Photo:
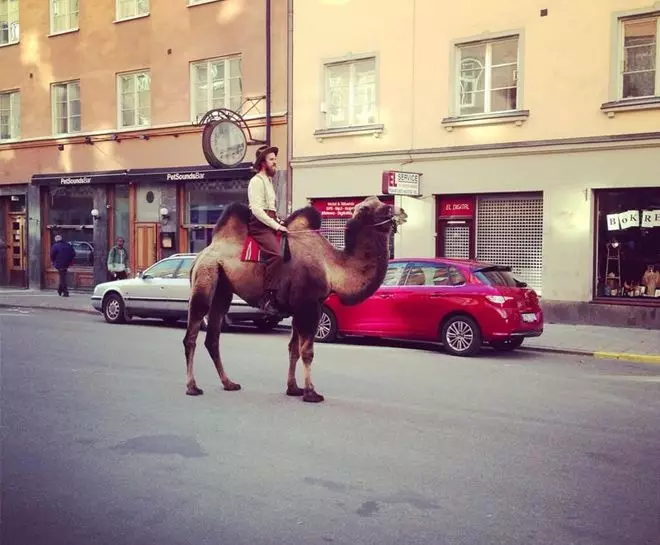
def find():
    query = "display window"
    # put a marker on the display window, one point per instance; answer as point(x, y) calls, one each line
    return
point(628, 244)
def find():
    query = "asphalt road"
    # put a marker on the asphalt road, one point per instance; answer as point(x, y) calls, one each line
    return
point(101, 446)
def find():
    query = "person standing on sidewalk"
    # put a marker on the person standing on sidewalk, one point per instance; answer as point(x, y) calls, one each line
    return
point(118, 261)
point(62, 255)
point(264, 223)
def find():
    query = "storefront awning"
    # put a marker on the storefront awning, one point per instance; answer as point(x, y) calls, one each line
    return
point(80, 178)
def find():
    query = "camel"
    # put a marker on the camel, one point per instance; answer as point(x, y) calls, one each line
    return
point(314, 269)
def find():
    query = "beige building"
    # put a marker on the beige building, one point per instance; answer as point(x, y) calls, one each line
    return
point(102, 108)
point(517, 135)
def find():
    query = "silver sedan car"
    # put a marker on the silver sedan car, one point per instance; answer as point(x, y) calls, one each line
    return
point(162, 291)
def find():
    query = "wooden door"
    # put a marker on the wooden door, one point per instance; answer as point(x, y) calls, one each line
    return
point(146, 246)
point(16, 249)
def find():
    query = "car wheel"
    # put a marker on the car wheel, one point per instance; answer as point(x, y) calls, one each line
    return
point(266, 324)
point(114, 309)
point(506, 345)
point(461, 336)
point(326, 332)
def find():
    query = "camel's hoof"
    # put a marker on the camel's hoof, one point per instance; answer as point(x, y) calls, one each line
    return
point(311, 396)
point(194, 391)
point(294, 390)
point(232, 386)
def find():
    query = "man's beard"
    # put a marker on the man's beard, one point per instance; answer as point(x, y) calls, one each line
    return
point(271, 171)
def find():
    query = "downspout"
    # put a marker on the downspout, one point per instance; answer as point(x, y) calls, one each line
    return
point(268, 62)
point(289, 106)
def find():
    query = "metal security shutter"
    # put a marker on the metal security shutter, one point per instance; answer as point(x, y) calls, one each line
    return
point(510, 232)
point(333, 230)
point(457, 242)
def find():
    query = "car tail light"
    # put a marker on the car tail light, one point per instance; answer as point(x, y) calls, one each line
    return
point(499, 299)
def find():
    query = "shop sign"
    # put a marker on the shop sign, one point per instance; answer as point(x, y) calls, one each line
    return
point(461, 207)
point(402, 183)
point(224, 143)
point(81, 180)
point(176, 176)
point(633, 218)
point(341, 207)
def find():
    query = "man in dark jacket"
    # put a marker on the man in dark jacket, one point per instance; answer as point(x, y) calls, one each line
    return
point(61, 256)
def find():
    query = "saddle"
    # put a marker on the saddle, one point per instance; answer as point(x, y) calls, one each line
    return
point(252, 251)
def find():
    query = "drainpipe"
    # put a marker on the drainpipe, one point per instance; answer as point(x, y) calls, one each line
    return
point(289, 106)
point(268, 62)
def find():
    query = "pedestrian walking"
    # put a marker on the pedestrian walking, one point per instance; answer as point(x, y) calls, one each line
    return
point(62, 255)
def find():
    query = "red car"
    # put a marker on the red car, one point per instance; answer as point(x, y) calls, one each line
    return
point(461, 304)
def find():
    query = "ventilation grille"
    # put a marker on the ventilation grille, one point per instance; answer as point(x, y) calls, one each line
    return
point(333, 229)
point(510, 232)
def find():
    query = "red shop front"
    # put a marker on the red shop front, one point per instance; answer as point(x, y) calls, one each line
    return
point(335, 213)
point(455, 226)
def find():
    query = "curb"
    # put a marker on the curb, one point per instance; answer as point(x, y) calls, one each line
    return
point(49, 307)
point(640, 358)
point(566, 351)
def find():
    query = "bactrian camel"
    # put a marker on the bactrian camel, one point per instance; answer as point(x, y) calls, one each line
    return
point(314, 270)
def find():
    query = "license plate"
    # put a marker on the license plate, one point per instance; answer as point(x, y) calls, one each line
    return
point(528, 317)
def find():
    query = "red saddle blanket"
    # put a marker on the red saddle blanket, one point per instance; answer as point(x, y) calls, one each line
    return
point(252, 250)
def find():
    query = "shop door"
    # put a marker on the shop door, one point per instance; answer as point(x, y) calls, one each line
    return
point(16, 250)
point(146, 246)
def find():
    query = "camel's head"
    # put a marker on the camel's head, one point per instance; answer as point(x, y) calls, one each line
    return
point(372, 211)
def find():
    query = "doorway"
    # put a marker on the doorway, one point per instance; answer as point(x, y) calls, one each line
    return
point(13, 241)
point(146, 246)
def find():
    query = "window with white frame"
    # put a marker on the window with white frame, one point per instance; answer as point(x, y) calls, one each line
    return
point(63, 15)
point(128, 9)
point(134, 99)
point(350, 93)
point(10, 115)
point(487, 76)
point(9, 22)
point(66, 107)
point(640, 54)
point(216, 83)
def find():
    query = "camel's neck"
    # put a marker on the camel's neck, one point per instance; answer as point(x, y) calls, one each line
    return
point(361, 266)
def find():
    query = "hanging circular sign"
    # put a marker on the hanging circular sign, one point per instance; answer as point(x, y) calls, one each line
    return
point(224, 144)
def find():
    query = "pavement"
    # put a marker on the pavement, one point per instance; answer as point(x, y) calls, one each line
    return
point(412, 446)
point(629, 344)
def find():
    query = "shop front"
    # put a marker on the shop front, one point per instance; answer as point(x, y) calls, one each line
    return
point(627, 260)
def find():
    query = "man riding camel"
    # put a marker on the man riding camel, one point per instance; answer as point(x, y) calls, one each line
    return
point(264, 223)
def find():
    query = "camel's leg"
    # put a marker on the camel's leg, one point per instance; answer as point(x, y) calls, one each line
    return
point(202, 292)
point(219, 307)
point(292, 388)
point(306, 321)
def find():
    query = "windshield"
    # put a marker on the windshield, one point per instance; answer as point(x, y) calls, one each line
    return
point(498, 277)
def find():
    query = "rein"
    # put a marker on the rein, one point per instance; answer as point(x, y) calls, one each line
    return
point(335, 229)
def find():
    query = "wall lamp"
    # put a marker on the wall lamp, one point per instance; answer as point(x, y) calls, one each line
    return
point(95, 214)
point(164, 212)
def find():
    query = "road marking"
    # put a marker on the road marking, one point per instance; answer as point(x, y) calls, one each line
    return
point(643, 358)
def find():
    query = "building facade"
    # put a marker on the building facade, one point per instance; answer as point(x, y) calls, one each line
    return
point(105, 116)
point(505, 138)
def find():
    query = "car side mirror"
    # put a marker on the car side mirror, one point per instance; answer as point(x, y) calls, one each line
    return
point(521, 284)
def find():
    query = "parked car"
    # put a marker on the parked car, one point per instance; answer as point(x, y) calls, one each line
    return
point(461, 304)
point(162, 291)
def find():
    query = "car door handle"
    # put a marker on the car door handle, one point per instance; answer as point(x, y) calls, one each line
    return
point(385, 296)
point(436, 295)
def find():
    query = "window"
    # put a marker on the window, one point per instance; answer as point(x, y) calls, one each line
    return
point(69, 214)
point(184, 270)
point(640, 58)
point(10, 115)
point(394, 274)
point(66, 107)
point(121, 214)
point(433, 274)
point(350, 93)
point(487, 77)
point(127, 9)
point(9, 23)
point(163, 269)
point(216, 84)
point(134, 99)
point(63, 15)
point(628, 244)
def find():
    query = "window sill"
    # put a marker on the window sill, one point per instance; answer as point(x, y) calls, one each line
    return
point(629, 105)
point(201, 3)
point(62, 32)
point(358, 130)
point(9, 44)
point(517, 117)
point(126, 19)
point(9, 140)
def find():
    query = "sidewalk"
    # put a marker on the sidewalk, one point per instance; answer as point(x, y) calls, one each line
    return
point(631, 344)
